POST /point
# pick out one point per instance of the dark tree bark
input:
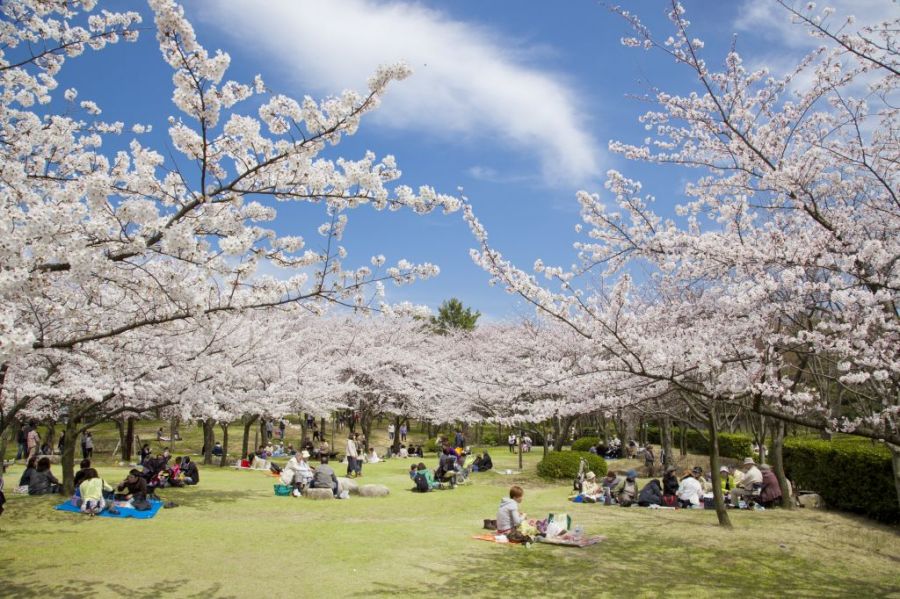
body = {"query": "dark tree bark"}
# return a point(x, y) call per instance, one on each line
point(787, 499)
point(395, 447)
point(718, 496)
point(665, 441)
point(224, 459)
point(248, 424)
point(68, 457)
point(209, 439)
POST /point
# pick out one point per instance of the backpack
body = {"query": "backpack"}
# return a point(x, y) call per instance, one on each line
point(421, 483)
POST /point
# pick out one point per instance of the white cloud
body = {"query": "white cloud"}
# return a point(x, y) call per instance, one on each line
point(469, 81)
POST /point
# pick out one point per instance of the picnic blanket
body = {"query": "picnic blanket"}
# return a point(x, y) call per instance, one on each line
point(569, 540)
point(124, 512)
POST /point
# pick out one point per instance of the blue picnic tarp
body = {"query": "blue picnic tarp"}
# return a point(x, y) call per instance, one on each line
point(124, 512)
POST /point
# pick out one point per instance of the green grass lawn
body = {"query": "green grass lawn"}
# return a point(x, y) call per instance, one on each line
point(231, 537)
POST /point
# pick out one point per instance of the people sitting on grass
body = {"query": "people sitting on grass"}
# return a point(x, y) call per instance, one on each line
point(423, 478)
point(42, 481)
point(25, 479)
point(324, 477)
point(591, 491)
point(627, 491)
point(190, 471)
point(418, 453)
point(217, 449)
point(446, 470)
point(670, 481)
point(133, 487)
point(690, 491)
point(260, 460)
point(297, 472)
point(486, 463)
point(610, 482)
point(510, 521)
point(651, 494)
point(770, 494)
point(403, 453)
point(726, 480)
point(91, 489)
point(750, 482)
point(160, 436)
point(372, 457)
point(146, 452)
point(79, 476)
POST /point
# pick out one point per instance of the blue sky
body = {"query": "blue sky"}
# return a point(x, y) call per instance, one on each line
point(514, 101)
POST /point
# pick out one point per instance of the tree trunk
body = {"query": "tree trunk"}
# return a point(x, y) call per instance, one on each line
point(561, 431)
point(173, 428)
point(248, 424)
point(395, 448)
point(68, 457)
point(682, 440)
point(787, 499)
point(302, 429)
point(665, 441)
point(120, 428)
point(209, 436)
point(128, 448)
point(263, 435)
point(718, 496)
point(51, 435)
point(895, 462)
point(224, 459)
point(519, 438)
point(7, 434)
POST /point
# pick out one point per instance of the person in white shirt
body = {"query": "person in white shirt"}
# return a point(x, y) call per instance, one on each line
point(751, 481)
point(352, 456)
point(297, 472)
point(690, 490)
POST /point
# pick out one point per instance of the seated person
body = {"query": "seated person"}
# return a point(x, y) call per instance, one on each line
point(79, 476)
point(403, 453)
point(670, 481)
point(476, 463)
point(372, 457)
point(91, 489)
point(510, 521)
point(133, 487)
point(591, 491)
point(726, 480)
point(260, 461)
point(486, 462)
point(610, 482)
point(690, 490)
point(172, 476)
point(146, 452)
point(30, 467)
point(423, 477)
point(217, 449)
point(160, 437)
point(297, 472)
point(627, 491)
point(325, 448)
point(324, 477)
point(770, 494)
point(750, 482)
point(191, 475)
point(651, 494)
point(42, 481)
point(446, 470)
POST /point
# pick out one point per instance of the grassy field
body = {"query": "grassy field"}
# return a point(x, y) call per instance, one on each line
point(231, 537)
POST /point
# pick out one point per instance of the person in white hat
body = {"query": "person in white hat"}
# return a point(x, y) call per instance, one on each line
point(752, 478)
point(297, 472)
point(590, 489)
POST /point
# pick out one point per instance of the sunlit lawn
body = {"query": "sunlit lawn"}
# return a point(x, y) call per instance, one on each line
point(231, 537)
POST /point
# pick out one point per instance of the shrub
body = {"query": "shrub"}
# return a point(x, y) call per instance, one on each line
point(584, 443)
point(731, 445)
point(489, 439)
point(855, 477)
point(564, 464)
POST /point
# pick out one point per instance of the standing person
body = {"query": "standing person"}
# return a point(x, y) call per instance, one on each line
point(649, 459)
point(360, 451)
point(32, 440)
point(352, 456)
point(403, 431)
point(391, 431)
point(22, 440)
point(511, 441)
point(281, 427)
point(60, 445)
point(88, 445)
point(84, 445)
point(269, 429)
point(459, 440)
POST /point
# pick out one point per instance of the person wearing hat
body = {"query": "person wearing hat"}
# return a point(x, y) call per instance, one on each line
point(770, 494)
point(726, 479)
point(751, 481)
point(590, 488)
point(297, 472)
point(627, 491)
point(690, 490)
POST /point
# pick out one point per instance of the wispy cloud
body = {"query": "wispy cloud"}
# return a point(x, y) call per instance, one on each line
point(469, 81)
point(770, 21)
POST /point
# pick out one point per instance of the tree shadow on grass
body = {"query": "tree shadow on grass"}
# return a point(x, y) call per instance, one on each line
point(91, 588)
point(196, 497)
point(632, 566)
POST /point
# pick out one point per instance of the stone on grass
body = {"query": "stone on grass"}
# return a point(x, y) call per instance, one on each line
point(811, 500)
point(319, 494)
point(349, 485)
point(374, 491)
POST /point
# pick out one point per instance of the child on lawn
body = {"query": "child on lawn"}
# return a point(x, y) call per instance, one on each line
point(510, 521)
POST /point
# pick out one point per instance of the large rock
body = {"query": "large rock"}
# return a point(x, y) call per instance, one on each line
point(811, 500)
point(318, 494)
point(374, 491)
point(349, 485)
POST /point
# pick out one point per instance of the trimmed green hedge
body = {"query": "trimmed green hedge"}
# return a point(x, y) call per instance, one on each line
point(489, 439)
point(564, 464)
point(584, 443)
point(731, 445)
point(856, 477)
